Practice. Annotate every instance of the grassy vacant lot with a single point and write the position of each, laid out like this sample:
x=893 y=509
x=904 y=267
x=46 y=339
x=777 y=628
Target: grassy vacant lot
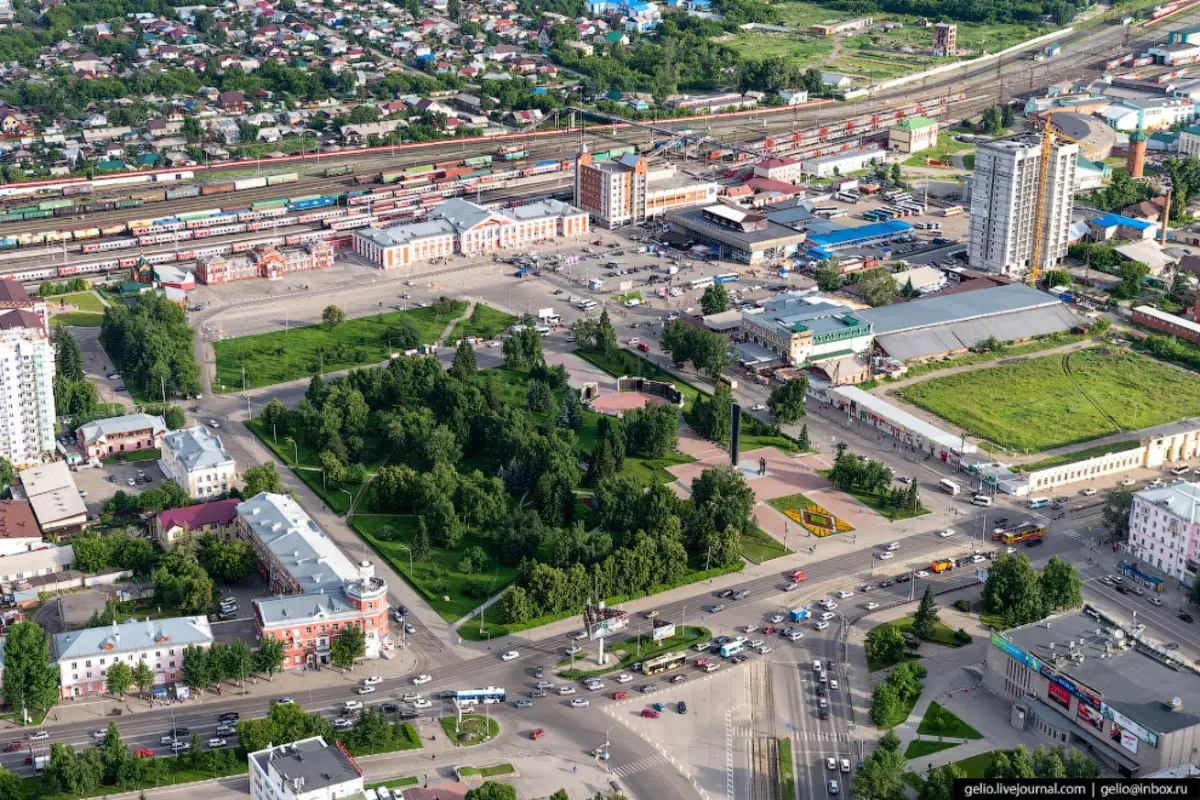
x=84 y=301
x=631 y=654
x=77 y=319
x=787 y=772
x=395 y=783
x=472 y=730
x=976 y=766
x=488 y=772
x=136 y=455
x=940 y=721
x=1053 y=401
x=878 y=503
x=941 y=632
x=919 y=748
x=438 y=576
x=271 y=358
x=485 y=323
x=946 y=145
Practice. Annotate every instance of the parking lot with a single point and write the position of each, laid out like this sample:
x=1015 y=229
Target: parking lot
x=98 y=484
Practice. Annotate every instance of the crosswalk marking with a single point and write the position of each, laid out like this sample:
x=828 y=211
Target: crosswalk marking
x=641 y=765
x=744 y=732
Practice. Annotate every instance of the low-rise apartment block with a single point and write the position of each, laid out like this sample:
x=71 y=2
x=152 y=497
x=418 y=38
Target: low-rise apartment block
x=309 y=769
x=196 y=460
x=218 y=518
x=84 y=656
x=127 y=434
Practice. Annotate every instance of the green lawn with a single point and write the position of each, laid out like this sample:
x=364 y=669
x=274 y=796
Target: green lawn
x=1011 y=351
x=942 y=634
x=395 y=783
x=629 y=653
x=878 y=503
x=271 y=358
x=77 y=319
x=761 y=546
x=438 y=576
x=976 y=766
x=940 y=721
x=472 y=730
x=485 y=323
x=84 y=301
x=874 y=665
x=787 y=772
x=946 y=146
x=1080 y=455
x=791 y=502
x=136 y=455
x=914 y=780
x=488 y=772
x=1054 y=401
x=902 y=712
x=306 y=469
x=919 y=748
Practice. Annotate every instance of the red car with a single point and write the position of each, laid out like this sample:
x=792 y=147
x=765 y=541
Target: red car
x=703 y=662
x=620 y=695
x=144 y=753
x=770 y=630
x=14 y=746
x=797 y=576
x=649 y=713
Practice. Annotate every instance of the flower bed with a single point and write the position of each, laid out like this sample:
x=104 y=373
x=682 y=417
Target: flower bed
x=819 y=521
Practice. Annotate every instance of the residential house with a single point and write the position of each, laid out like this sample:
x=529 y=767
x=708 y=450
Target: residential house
x=196 y=460
x=218 y=518
x=127 y=434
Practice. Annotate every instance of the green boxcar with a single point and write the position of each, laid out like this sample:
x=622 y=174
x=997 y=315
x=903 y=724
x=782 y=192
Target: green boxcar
x=390 y=177
x=132 y=202
x=333 y=172
x=37 y=214
x=303 y=198
x=269 y=203
x=287 y=177
x=22 y=210
x=419 y=170
x=50 y=205
x=477 y=161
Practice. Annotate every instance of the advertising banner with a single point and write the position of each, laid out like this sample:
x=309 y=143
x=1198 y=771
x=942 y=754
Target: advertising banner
x=1012 y=650
x=1091 y=716
x=1125 y=723
x=664 y=631
x=1060 y=695
x=1084 y=694
x=1129 y=742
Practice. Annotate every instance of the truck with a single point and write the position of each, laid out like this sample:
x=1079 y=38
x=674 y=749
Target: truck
x=522 y=274
x=40 y=763
x=941 y=565
x=800 y=614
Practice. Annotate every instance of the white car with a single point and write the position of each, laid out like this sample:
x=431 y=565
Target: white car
x=749 y=628
x=777 y=618
x=822 y=625
x=353 y=705
x=833 y=684
x=215 y=743
x=421 y=702
x=844 y=593
x=921 y=573
x=366 y=690
x=634 y=341
x=1010 y=550
x=871 y=606
x=371 y=680
x=579 y=635
x=886 y=556
x=594 y=685
x=212 y=423
x=947 y=533
x=566 y=690
x=830 y=606
x=831 y=763
x=421 y=679
x=791 y=586
x=1088 y=492
x=98 y=734
x=624 y=678
x=580 y=702
x=758 y=407
x=1127 y=482
x=341 y=724
x=827 y=615
x=825 y=602
x=574 y=650
x=510 y=656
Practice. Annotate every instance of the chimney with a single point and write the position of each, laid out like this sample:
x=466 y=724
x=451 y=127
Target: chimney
x=1166 y=217
x=1136 y=157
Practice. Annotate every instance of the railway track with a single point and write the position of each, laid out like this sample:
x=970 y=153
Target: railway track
x=764 y=750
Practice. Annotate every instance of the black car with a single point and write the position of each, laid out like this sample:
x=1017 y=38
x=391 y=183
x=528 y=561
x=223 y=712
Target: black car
x=1035 y=542
x=409 y=713
x=1186 y=617
x=820 y=690
x=905 y=578
x=824 y=712
x=229 y=716
x=178 y=732
x=389 y=708
x=682 y=707
x=886 y=584
x=829 y=664
x=726 y=593
x=1001 y=522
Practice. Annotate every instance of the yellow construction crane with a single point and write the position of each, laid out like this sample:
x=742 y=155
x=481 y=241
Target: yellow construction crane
x=1039 y=219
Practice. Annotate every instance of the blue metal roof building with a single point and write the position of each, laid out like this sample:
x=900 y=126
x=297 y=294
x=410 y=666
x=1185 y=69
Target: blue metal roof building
x=862 y=236
x=1114 y=220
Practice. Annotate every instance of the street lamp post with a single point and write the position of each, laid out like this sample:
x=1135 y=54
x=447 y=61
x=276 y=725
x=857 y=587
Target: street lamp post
x=351 y=506
x=295 y=449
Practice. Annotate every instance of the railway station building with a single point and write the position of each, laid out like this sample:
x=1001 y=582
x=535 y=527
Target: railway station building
x=459 y=227
x=266 y=262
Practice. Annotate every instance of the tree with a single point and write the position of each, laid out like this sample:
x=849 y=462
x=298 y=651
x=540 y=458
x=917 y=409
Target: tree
x=926 y=619
x=802 y=441
x=885 y=645
x=885 y=704
x=420 y=541
x=29 y=679
x=269 y=657
x=1117 y=507
x=1056 y=277
x=492 y=790
x=143 y=676
x=1194 y=591
x=1012 y=590
x=349 y=646
x=876 y=287
x=722 y=493
x=10 y=785
x=1061 y=586
x=787 y=401
x=993 y=121
x=228 y=562
x=464 y=361
x=332 y=316
x=119 y=679
x=263 y=478
x=880 y=776
x=940 y=783
x=6 y=473
x=1079 y=765
x=829 y=275
x=241 y=659
x=174 y=417
x=715 y=299
x=196 y=668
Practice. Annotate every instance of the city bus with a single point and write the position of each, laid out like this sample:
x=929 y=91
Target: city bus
x=949 y=487
x=473 y=697
x=731 y=649
x=1039 y=502
x=664 y=663
x=701 y=283
x=1021 y=533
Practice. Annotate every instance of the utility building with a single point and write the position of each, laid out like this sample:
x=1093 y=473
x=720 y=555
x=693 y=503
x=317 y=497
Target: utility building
x=1004 y=204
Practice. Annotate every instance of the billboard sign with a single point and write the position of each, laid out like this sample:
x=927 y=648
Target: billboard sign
x=1013 y=651
x=1060 y=695
x=1085 y=695
x=1126 y=724
x=1091 y=716
x=664 y=631
x=545 y=312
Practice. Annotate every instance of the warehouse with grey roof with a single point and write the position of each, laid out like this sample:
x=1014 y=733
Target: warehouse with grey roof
x=938 y=326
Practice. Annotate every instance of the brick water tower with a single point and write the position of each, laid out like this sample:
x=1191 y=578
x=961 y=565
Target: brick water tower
x=1136 y=159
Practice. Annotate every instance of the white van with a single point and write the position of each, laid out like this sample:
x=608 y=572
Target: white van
x=981 y=500
x=893 y=546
